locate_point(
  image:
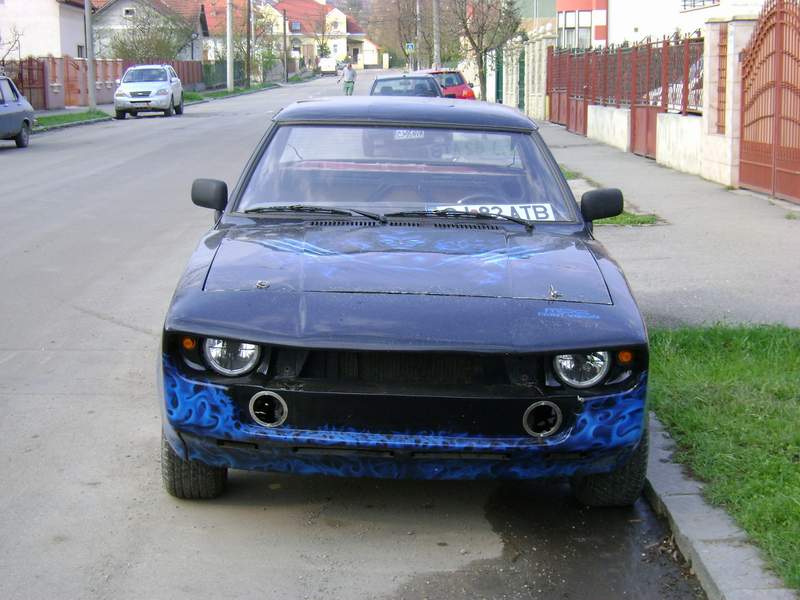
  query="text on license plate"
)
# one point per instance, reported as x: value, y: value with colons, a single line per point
x: 530, y: 212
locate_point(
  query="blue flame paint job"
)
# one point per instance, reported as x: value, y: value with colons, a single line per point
x: 608, y: 427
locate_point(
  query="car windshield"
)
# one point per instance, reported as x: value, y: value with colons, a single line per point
x: 144, y: 75
x: 449, y: 79
x: 405, y: 86
x: 390, y: 169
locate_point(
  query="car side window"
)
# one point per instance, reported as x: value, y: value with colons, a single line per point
x: 173, y: 73
x: 7, y: 92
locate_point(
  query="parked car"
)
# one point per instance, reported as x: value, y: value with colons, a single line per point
x: 328, y: 66
x: 16, y: 114
x: 452, y: 82
x: 399, y: 288
x: 407, y: 85
x: 149, y: 88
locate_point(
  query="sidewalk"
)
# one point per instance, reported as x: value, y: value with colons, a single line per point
x: 722, y: 255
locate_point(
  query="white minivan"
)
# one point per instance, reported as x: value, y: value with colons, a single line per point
x: 327, y: 66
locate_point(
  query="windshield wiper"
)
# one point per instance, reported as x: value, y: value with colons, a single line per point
x: 455, y: 213
x: 307, y: 208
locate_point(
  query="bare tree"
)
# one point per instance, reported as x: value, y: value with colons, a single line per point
x: 484, y: 25
x: 7, y: 46
x: 321, y: 30
x: 149, y: 35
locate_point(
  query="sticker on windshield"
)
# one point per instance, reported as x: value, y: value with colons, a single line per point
x: 530, y: 212
x: 409, y: 134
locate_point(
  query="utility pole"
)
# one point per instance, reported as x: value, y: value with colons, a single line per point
x: 437, y: 40
x: 90, y: 78
x: 285, y: 51
x: 229, y: 43
x: 419, y: 37
x: 249, y: 40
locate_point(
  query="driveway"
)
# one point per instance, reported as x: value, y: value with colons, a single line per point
x: 97, y: 226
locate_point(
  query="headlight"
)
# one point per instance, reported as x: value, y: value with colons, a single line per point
x: 162, y: 92
x: 120, y: 93
x: 582, y: 370
x: 229, y: 357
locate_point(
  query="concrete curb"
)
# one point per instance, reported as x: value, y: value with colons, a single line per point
x: 727, y: 565
x: 74, y: 124
x: 237, y: 94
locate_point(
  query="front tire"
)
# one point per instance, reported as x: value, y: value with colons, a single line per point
x: 189, y: 479
x: 621, y: 487
x: 23, y: 138
x: 179, y: 108
x: 171, y: 110
x: 120, y: 115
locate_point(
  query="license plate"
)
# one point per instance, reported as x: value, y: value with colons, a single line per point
x: 409, y: 134
x: 530, y: 212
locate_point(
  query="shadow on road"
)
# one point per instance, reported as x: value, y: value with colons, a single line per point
x: 552, y: 547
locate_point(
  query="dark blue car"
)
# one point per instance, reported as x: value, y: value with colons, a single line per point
x: 404, y: 287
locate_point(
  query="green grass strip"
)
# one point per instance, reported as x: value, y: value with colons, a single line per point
x: 195, y: 96
x: 72, y: 117
x: 627, y: 218
x: 730, y: 396
x: 568, y: 174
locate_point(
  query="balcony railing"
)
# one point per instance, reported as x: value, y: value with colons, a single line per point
x: 690, y: 4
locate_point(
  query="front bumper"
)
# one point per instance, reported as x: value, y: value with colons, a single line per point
x: 142, y: 104
x: 203, y: 422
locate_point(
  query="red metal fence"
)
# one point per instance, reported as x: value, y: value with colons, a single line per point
x: 189, y: 71
x: 770, y: 140
x: 28, y: 76
x: 648, y: 78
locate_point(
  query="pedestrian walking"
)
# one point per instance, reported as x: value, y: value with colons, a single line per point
x: 349, y: 76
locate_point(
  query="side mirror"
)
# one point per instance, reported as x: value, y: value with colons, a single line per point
x: 210, y: 193
x: 117, y: 81
x: 472, y: 85
x: 601, y: 204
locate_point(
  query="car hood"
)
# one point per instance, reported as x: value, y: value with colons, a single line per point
x: 444, y: 259
x: 144, y: 86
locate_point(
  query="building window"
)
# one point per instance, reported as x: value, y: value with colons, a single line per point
x: 294, y: 26
x: 129, y: 12
x: 81, y: 51
x: 575, y: 29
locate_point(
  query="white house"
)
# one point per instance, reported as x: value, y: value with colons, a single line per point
x: 112, y: 16
x: 635, y: 20
x: 46, y: 27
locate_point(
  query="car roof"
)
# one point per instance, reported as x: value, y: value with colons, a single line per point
x: 436, y: 71
x: 147, y: 67
x: 406, y: 76
x: 412, y: 110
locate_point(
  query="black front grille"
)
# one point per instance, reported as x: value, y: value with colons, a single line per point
x: 140, y: 94
x: 405, y: 367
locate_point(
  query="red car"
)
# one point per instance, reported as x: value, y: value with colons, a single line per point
x: 452, y: 82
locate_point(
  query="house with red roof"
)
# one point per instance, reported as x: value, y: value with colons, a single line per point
x: 113, y: 16
x: 316, y: 29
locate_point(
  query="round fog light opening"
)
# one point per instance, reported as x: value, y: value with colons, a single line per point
x: 268, y: 409
x: 542, y: 419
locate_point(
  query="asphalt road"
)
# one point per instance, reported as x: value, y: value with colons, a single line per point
x: 97, y: 226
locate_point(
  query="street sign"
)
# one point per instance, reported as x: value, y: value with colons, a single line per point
x: 409, y: 46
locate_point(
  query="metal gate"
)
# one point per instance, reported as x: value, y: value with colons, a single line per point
x: 75, y: 81
x: 521, y: 82
x: 28, y: 76
x: 498, y: 77
x: 578, y: 93
x: 770, y: 141
x: 646, y: 92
